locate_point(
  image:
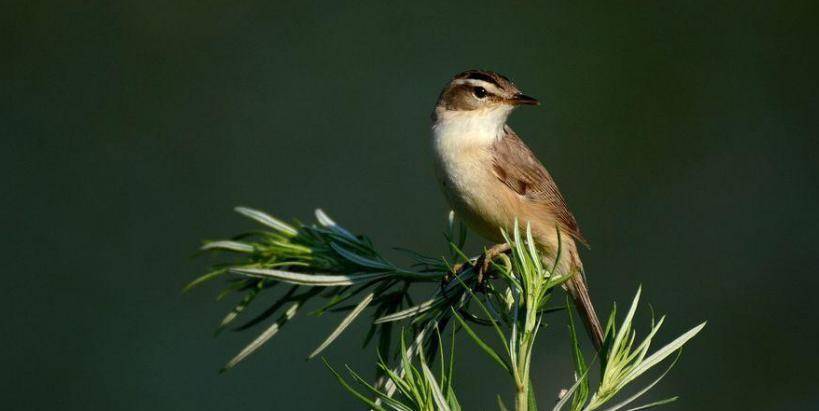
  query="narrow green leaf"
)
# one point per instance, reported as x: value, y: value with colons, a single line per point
x: 568, y: 394
x: 533, y: 254
x: 625, y: 326
x: 501, y: 405
x: 420, y: 258
x: 654, y: 404
x: 486, y: 348
x: 582, y: 393
x: 359, y: 260
x: 641, y: 350
x: 227, y: 246
x: 328, y: 222
x: 392, y: 403
x: 462, y: 233
x: 437, y: 395
x: 450, y: 226
x: 450, y: 375
x: 344, y: 324
x: 233, y: 287
x: 263, y: 337
x: 489, y: 315
x: 411, y: 311
x: 234, y: 313
x: 638, y: 394
x: 530, y: 397
x: 559, y: 249
x: 273, y: 308
x: 664, y: 352
x: 321, y: 280
x: 207, y: 277
x: 361, y: 397
x: 267, y: 220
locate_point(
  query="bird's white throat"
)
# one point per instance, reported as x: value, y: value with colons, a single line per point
x: 474, y: 127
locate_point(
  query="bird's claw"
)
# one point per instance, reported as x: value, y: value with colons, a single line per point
x: 481, y: 265
x: 484, y: 262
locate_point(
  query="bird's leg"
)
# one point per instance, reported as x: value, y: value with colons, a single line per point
x: 481, y: 265
x: 485, y: 260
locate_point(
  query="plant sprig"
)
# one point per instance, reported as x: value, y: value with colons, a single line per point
x: 324, y: 259
x: 417, y: 386
x: 302, y: 263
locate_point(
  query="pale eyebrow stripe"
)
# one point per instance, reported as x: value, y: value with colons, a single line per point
x: 490, y: 87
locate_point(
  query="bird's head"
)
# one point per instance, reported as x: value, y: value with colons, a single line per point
x: 482, y: 93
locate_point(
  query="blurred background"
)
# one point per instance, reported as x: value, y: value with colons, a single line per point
x: 683, y: 135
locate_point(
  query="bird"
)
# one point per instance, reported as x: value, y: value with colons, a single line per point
x: 493, y: 180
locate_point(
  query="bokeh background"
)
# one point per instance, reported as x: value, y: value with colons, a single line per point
x: 683, y: 134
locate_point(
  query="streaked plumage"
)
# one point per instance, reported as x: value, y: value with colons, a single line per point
x: 490, y: 177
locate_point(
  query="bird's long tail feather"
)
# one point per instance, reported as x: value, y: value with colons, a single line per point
x: 580, y: 294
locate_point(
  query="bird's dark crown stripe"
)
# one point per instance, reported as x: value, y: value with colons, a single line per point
x: 483, y: 76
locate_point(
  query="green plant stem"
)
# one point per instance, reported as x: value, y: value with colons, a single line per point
x: 522, y: 380
x: 522, y: 398
x: 524, y: 352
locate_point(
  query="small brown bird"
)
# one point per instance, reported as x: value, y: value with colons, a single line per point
x: 490, y: 177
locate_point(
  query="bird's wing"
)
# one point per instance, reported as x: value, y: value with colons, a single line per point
x: 516, y: 166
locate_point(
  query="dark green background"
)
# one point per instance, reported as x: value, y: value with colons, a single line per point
x: 683, y: 135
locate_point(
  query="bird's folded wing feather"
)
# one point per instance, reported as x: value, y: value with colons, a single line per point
x: 516, y: 166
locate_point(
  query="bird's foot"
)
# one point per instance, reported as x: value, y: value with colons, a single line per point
x: 484, y: 262
x: 481, y: 265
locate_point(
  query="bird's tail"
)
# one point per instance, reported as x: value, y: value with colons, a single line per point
x: 580, y: 294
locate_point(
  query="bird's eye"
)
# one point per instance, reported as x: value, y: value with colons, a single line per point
x: 480, y: 92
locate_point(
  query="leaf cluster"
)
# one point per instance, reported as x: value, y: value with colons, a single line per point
x: 301, y: 263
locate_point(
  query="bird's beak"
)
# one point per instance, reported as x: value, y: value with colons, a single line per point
x: 523, y: 99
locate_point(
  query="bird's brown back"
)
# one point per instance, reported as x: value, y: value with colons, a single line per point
x: 517, y: 167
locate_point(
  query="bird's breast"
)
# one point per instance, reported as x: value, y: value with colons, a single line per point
x: 464, y: 169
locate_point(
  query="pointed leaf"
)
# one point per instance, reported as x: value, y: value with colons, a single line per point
x: 322, y: 280
x: 437, y: 395
x: 234, y: 313
x: 568, y: 394
x: 361, y: 397
x: 501, y: 405
x: 207, y: 277
x: 344, y: 324
x: 227, y: 246
x: 664, y: 352
x: 626, y: 325
x: 267, y: 220
x: 410, y: 312
x: 328, y: 222
x: 638, y: 394
x: 263, y: 337
x: 486, y: 348
x: 360, y: 260
x: 654, y: 404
